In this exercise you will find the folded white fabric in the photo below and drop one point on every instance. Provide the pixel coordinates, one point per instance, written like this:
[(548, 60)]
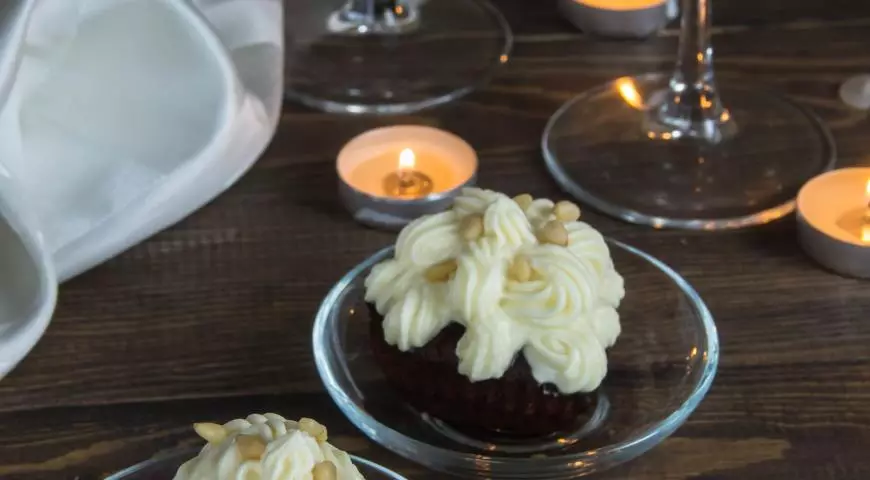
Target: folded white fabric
[(119, 118)]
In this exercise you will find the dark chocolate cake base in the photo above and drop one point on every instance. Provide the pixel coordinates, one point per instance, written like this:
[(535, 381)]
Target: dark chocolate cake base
[(516, 405)]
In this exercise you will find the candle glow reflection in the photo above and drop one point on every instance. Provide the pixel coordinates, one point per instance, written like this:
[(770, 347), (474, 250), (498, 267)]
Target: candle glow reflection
[(628, 92), (865, 228)]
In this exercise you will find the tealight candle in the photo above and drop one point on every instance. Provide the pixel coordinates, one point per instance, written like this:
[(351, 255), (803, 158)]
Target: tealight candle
[(616, 18), (834, 220), (389, 176)]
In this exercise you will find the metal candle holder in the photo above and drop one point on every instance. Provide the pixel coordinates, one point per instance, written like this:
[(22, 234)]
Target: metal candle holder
[(615, 22), (831, 230)]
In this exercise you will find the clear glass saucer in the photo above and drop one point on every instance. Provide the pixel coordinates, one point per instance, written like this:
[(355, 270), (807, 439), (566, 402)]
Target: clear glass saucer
[(164, 466), (659, 370)]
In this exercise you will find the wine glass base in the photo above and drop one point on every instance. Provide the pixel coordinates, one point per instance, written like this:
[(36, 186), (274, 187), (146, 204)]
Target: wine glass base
[(601, 148), (453, 47)]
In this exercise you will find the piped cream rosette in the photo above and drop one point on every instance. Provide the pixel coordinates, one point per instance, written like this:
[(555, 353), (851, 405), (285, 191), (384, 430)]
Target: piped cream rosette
[(519, 274), (267, 447)]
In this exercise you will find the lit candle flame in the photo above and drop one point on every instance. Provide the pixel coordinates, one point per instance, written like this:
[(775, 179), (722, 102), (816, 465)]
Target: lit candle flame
[(628, 92), (407, 160), (407, 182)]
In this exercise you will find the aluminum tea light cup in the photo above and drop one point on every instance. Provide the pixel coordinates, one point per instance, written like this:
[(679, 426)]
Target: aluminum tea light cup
[(616, 18), (833, 212), (392, 175)]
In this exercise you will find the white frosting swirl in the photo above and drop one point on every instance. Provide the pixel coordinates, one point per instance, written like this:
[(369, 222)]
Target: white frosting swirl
[(417, 317), (430, 239), (290, 454), (572, 359), (605, 325), (476, 288), (505, 225), (562, 317), (488, 348), (540, 211), (587, 243), (474, 200), (561, 296)]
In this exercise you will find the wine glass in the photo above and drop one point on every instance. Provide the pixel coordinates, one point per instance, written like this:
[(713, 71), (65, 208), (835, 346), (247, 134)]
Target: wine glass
[(678, 151), (390, 56)]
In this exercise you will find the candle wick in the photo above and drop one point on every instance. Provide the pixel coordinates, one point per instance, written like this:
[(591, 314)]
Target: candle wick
[(407, 183), (406, 178)]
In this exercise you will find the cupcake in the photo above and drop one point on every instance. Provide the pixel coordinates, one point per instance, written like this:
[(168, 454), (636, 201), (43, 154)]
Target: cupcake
[(496, 315), (267, 447)]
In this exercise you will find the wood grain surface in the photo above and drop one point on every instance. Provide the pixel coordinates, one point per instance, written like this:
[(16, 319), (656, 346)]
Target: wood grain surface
[(211, 319)]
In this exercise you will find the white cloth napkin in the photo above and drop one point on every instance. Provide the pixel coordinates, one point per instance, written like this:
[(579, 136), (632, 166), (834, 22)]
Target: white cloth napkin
[(119, 118)]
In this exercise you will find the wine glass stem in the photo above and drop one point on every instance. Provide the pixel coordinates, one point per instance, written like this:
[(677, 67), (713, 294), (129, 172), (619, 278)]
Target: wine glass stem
[(693, 107), (377, 16), (371, 8), (695, 59)]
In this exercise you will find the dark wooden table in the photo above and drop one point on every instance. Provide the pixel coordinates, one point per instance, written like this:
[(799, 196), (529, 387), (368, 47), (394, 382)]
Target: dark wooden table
[(211, 319)]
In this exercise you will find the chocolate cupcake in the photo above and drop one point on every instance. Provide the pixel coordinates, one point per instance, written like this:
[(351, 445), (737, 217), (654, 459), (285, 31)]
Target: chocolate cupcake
[(496, 314)]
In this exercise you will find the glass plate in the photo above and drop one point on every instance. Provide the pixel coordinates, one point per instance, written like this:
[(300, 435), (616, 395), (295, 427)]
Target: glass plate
[(659, 370), (164, 466)]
